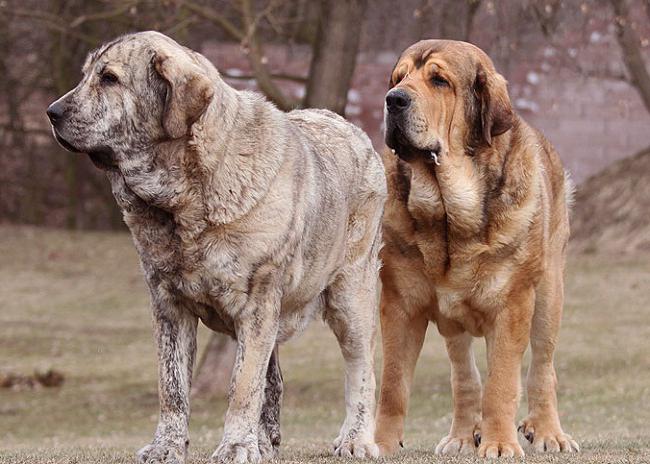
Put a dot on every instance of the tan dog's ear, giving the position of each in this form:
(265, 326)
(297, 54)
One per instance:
(189, 93)
(495, 109)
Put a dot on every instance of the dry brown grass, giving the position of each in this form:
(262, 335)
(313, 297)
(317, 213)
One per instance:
(75, 302)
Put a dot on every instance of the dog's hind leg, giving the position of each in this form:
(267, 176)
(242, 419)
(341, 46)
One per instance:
(542, 426)
(269, 430)
(175, 332)
(351, 313)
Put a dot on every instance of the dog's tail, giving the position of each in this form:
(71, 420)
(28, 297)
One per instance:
(569, 190)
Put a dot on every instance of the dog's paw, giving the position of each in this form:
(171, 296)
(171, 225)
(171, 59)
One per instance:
(500, 449)
(354, 446)
(160, 454)
(269, 446)
(547, 439)
(455, 445)
(245, 451)
(388, 447)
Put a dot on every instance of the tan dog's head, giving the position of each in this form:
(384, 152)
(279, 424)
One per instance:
(136, 91)
(445, 96)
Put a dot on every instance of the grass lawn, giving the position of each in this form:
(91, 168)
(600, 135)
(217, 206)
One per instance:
(76, 302)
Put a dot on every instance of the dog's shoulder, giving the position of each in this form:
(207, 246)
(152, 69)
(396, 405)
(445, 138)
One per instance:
(334, 137)
(532, 143)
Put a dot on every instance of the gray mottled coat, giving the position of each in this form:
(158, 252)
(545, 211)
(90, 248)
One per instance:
(253, 220)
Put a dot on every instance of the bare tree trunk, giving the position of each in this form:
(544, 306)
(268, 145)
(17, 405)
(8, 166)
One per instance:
(631, 48)
(247, 35)
(214, 370)
(61, 64)
(457, 17)
(335, 54)
(15, 139)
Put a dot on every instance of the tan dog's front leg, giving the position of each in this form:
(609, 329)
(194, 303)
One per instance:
(175, 331)
(402, 338)
(466, 388)
(506, 343)
(256, 336)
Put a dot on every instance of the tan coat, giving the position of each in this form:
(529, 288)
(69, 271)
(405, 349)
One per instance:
(476, 228)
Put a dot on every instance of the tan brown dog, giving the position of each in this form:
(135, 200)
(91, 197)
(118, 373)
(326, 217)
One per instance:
(476, 228)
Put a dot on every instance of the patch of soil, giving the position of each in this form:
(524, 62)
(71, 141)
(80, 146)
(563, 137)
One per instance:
(46, 379)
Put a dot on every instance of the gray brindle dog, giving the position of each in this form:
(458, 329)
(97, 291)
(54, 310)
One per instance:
(253, 220)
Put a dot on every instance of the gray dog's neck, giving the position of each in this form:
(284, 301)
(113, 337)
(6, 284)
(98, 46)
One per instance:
(232, 155)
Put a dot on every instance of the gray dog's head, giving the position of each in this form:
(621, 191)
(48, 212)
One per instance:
(137, 91)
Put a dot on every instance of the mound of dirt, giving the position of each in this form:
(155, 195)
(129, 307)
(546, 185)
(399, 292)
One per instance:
(612, 209)
(47, 379)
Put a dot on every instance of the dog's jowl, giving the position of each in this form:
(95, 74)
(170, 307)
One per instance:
(476, 229)
(252, 220)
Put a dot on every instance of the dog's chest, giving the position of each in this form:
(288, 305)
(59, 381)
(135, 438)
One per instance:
(213, 271)
(205, 267)
(471, 293)
(424, 202)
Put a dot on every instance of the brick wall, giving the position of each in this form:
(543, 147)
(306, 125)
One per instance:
(591, 122)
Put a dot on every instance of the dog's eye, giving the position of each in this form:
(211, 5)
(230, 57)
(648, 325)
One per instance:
(108, 78)
(439, 81)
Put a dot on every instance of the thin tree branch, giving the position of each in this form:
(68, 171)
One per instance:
(52, 22)
(256, 59)
(103, 15)
(180, 25)
(216, 18)
(248, 38)
(631, 48)
(278, 76)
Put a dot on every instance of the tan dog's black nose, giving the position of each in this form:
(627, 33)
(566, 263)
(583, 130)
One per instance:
(397, 100)
(55, 112)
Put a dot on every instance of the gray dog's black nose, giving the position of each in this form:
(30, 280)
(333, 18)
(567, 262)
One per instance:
(55, 112)
(397, 101)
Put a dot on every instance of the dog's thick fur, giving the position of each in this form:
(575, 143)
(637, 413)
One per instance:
(253, 220)
(476, 229)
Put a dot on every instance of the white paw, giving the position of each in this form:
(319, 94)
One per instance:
(452, 446)
(160, 454)
(237, 451)
(268, 447)
(350, 445)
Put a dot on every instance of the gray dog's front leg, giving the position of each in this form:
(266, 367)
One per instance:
(269, 430)
(256, 336)
(175, 331)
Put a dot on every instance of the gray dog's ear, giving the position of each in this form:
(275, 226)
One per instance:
(190, 92)
(495, 109)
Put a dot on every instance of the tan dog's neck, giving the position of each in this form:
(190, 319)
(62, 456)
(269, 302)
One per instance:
(432, 183)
